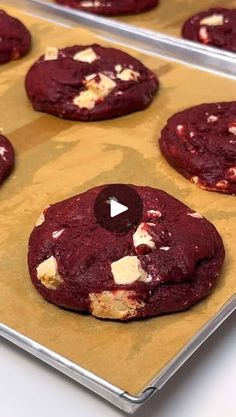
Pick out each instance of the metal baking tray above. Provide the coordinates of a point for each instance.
(182, 50)
(117, 396)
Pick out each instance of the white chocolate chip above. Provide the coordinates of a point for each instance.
(117, 304)
(165, 248)
(3, 151)
(213, 20)
(95, 90)
(128, 270)
(203, 34)
(47, 274)
(142, 237)
(87, 55)
(128, 75)
(195, 214)
(51, 53)
(212, 118)
(57, 233)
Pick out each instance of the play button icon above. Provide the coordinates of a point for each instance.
(118, 207)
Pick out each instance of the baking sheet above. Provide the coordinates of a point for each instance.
(170, 15)
(58, 158)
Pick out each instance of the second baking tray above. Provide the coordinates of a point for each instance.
(124, 363)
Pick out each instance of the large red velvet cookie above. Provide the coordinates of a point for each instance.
(89, 83)
(200, 143)
(165, 264)
(214, 27)
(7, 157)
(111, 7)
(15, 39)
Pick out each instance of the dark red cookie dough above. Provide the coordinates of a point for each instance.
(111, 7)
(7, 157)
(76, 264)
(15, 39)
(218, 30)
(200, 143)
(113, 84)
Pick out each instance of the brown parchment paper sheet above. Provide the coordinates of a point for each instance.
(59, 158)
(170, 15)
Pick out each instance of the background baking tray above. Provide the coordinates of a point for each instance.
(193, 53)
(170, 15)
(124, 363)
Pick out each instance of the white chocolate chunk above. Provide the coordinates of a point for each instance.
(3, 151)
(203, 34)
(213, 20)
(51, 53)
(95, 90)
(195, 179)
(117, 304)
(232, 172)
(57, 233)
(128, 75)
(196, 215)
(212, 118)
(232, 128)
(165, 248)
(41, 217)
(47, 274)
(223, 184)
(154, 213)
(142, 237)
(89, 3)
(87, 55)
(118, 68)
(127, 270)
(180, 129)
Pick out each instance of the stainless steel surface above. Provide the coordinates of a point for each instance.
(111, 393)
(198, 55)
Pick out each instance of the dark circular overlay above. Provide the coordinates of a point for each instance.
(124, 195)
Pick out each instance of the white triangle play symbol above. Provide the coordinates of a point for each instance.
(116, 208)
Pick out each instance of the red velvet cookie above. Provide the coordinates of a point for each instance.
(200, 143)
(7, 157)
(165, 264)
(214, 27)
(89, 83)
(15, 39)
(111, 7)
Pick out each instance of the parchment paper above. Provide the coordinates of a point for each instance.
(57, 159)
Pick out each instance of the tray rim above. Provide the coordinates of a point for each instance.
(115, 395)
(118, 397)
